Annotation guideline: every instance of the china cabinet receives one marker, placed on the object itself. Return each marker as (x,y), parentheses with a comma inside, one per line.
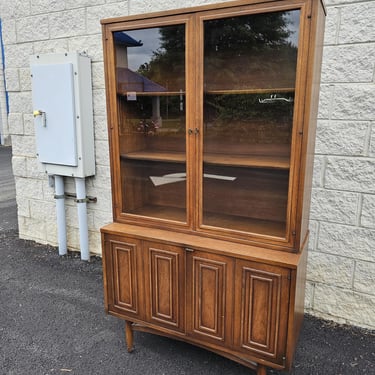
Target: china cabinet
(211,116)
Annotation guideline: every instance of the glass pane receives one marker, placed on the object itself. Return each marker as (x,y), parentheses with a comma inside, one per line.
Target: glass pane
(150,68)
(249,82)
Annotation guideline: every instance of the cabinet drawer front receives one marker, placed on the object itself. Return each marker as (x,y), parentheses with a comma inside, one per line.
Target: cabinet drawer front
(164,282)
(125,283)
(262,296)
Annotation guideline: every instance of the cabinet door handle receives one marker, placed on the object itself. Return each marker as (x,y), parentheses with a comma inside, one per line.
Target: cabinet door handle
(196,131)
(189,249)
(190,131)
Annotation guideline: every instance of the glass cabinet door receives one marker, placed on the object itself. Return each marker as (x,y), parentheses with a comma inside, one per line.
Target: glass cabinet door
(249,79)
(150,76)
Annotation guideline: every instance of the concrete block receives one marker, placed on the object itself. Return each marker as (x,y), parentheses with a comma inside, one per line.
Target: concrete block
(14,9)
(19,165)
(67,23)
(103,177)
(350,174)
(15,123)
(34,168)
(101,130)
(349,63)
(32,28)
(23,207)
(98,75)
(364,277)
(29,188)
(28,123)
(367,218)
(71,4)
(356,24)
(354,102)
(102,218)
(41,210)
(99,102)
(334,206)
(23,145)
(372,141)
(12,79)
(325,97)
(347,241)
(47,6)
(102,153)
(25,79)
(313,228)
(318,171)
(51,46)
(9,30)
(91,44)
(31,229)
(332,26)
(342,137)
(18,55)
(309,295)
(95,243)
(96,13)
(20,102)
(330,269)
(356,308)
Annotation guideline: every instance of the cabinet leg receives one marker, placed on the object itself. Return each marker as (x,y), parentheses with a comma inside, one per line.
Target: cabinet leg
(261,370)
(129,336)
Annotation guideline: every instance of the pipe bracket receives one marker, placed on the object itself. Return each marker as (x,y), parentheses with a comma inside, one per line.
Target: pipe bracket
(59,196)
(82,200)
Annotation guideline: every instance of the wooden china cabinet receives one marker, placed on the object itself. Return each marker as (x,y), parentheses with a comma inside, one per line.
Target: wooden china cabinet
(211,116)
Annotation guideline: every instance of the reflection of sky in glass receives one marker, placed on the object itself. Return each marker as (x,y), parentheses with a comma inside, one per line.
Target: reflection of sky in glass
(140,55)
(292,19)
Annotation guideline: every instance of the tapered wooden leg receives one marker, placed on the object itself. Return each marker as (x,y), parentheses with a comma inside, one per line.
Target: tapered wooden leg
(261,370)
(129,336)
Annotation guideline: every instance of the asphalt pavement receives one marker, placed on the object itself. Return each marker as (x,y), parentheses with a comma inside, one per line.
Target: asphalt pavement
(52,320)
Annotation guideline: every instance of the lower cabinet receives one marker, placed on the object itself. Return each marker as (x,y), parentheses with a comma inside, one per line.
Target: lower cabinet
(236,307)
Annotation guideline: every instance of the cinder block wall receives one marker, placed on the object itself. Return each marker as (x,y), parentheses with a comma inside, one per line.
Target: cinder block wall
(341,267)
(341,271)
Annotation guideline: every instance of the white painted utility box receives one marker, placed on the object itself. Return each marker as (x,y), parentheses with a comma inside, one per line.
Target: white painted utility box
(63,114)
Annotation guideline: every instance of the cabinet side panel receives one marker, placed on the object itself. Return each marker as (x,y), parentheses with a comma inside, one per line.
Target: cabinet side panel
(297,306)
(312,102)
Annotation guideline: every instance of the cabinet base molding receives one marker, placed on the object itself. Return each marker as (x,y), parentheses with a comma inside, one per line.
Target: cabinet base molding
(131,326)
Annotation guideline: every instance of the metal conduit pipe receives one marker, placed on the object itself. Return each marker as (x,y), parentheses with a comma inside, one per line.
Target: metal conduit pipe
(82,218)
(60,214)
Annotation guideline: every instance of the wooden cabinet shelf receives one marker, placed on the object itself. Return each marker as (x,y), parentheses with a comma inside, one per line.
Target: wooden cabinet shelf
(211,132)
(260,90)
(171,157)
(258,161)
(151,93)
(250,161)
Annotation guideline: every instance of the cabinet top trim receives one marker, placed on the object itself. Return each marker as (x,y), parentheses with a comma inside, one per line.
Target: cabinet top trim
(248,252)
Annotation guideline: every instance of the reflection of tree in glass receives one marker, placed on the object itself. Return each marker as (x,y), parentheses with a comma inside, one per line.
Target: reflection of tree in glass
(241,118)
(252,51)
(167,65)
(236,49)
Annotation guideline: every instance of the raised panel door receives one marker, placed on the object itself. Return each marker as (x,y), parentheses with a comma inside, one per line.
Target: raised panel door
(209,290)
(262,299)
(164,269)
